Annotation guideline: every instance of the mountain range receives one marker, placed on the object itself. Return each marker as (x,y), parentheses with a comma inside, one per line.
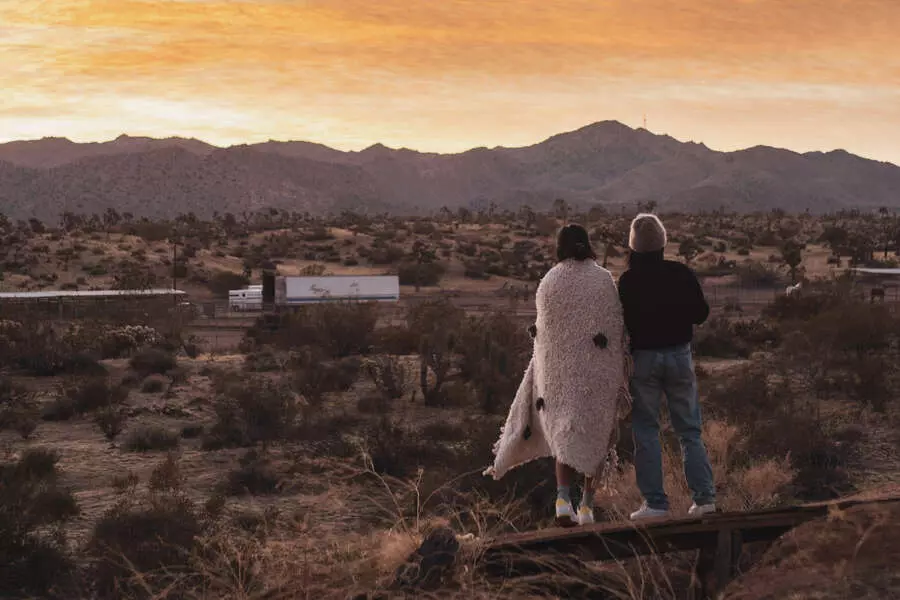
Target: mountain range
(604,163)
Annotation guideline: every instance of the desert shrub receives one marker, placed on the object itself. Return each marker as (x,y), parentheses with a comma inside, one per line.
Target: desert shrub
(118,342)
(92,393)
(754,274)
(191,347)
(262,360)
(111,421)
(178,376)
(154,384)
(150,231)
(458,394)
(437,324)
(188,252)
(19,410)
(396,339)
(722,338)
(339,328)
(251,410)
(476,270)
(373,404)
(256,475)
(756,332)
(399,451)
(130,380)
(144,544)
(742,483)
(332,434)
(714,267)
(423,228)
(390,374)
(314,375)
(32,507)
(779,422)
(386,255)
(497,269)
(152,361)
(192,430)
(61,408)
(255,522)
(43,349)
(150,438)
(443,431)
(495,350)
(420,274)
(850,349)
(317,234)
(732,305)
(802,307)
(466,248)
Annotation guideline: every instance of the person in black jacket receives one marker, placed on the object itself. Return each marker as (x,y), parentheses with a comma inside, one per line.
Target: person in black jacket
(662,301)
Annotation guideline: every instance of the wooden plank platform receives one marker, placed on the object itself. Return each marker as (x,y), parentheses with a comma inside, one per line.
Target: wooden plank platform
(719,537)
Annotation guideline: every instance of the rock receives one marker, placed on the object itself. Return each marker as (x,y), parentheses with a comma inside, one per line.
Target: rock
(427,566)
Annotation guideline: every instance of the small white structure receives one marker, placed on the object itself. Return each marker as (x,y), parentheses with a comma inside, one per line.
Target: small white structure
(793,290)
(291,291)
(887,271)
(112,294)
(74,302)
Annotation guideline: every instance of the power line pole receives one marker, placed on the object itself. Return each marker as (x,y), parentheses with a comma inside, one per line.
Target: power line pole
(175,269)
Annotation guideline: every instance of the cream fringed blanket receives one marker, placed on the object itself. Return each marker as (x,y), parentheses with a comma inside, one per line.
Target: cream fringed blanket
(577,381)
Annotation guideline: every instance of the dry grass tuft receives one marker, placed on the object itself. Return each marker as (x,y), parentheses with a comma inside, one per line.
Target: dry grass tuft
(756,485)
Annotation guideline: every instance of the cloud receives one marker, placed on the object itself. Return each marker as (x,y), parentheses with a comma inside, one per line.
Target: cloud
(445,72)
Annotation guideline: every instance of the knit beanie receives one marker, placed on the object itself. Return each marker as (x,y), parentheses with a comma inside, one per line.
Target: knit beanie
(647,234)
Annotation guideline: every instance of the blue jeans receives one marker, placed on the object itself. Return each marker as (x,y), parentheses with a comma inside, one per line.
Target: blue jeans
(668,371)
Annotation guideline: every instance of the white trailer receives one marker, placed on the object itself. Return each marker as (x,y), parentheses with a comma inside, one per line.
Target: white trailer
(291,291)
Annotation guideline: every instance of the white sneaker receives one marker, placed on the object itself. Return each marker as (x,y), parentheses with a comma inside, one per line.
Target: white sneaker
(585,515)
(699,510)
(565,514)
(645,512)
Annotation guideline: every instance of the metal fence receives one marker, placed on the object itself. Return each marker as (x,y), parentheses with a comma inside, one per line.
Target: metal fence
(221,330)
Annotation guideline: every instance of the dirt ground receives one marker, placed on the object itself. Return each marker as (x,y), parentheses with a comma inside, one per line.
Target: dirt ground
(324,497)
(850,554)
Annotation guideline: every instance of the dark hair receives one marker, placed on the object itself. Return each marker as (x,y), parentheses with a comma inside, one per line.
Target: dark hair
(574,242)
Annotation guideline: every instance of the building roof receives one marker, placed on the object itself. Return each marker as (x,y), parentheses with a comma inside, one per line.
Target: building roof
(873,271)
(49,294)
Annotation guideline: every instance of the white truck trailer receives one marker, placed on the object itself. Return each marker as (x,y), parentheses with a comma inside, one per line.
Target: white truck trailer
(294,291)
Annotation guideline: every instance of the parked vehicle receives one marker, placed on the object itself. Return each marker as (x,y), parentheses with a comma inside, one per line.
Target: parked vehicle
(295,291)
(291,291)
(247,299)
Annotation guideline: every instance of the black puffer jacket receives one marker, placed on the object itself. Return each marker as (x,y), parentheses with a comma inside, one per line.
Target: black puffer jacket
(662,300)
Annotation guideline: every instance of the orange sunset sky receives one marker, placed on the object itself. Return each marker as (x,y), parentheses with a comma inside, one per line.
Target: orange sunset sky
(447,75)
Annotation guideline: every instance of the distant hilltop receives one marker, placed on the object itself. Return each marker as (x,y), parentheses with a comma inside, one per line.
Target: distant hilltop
(605,163)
